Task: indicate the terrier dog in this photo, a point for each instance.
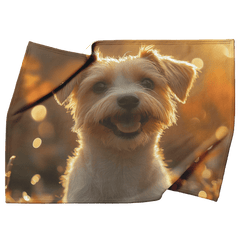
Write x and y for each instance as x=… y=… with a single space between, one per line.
x=120 y=108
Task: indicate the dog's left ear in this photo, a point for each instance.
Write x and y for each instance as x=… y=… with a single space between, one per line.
x=180 y=75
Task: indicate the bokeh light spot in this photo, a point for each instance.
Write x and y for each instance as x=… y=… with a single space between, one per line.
x=12 y=157
x=37 y=142
x=198 y=62
x=202 y=194
x=46 y=130
x=39 y=112
x=221 y=132
x=207 y=173
x=8 y=174
x=35 y=179
x=227 y=53
x=26 y=197
x=60 y=169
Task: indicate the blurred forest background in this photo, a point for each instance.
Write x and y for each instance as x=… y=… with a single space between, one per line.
x=41 y=139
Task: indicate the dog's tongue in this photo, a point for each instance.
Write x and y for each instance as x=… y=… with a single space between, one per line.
x=128 y=123
x=128 y=128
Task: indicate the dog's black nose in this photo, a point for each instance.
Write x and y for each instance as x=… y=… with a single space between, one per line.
x=128 y=101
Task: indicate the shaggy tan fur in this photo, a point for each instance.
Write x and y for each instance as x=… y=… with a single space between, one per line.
x=120 y=108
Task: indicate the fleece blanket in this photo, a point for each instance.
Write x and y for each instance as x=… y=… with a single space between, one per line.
x=194 y=149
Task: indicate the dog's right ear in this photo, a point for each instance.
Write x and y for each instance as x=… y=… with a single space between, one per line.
x=62 y=95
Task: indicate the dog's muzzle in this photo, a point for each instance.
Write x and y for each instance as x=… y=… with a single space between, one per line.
x=127 y=125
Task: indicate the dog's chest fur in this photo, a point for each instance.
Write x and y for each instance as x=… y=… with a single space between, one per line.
x=103 y=175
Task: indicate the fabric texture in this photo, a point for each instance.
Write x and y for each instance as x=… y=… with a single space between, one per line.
x=196 y=149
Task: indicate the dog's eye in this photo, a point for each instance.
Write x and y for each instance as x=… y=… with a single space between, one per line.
x=99 y=87
x=147 y=83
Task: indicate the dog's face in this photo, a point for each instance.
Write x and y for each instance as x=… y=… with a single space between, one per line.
x=126 y=102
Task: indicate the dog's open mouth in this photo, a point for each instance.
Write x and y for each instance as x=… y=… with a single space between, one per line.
x=126 y=126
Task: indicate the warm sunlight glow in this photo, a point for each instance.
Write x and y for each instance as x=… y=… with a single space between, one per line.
x=221 y=132
x=30 y=80
x=35 y=179
x=38 y=91
x=37 y=142
x=198 y=62
x=202 y=194
x=31 y=63
x=38 y=113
